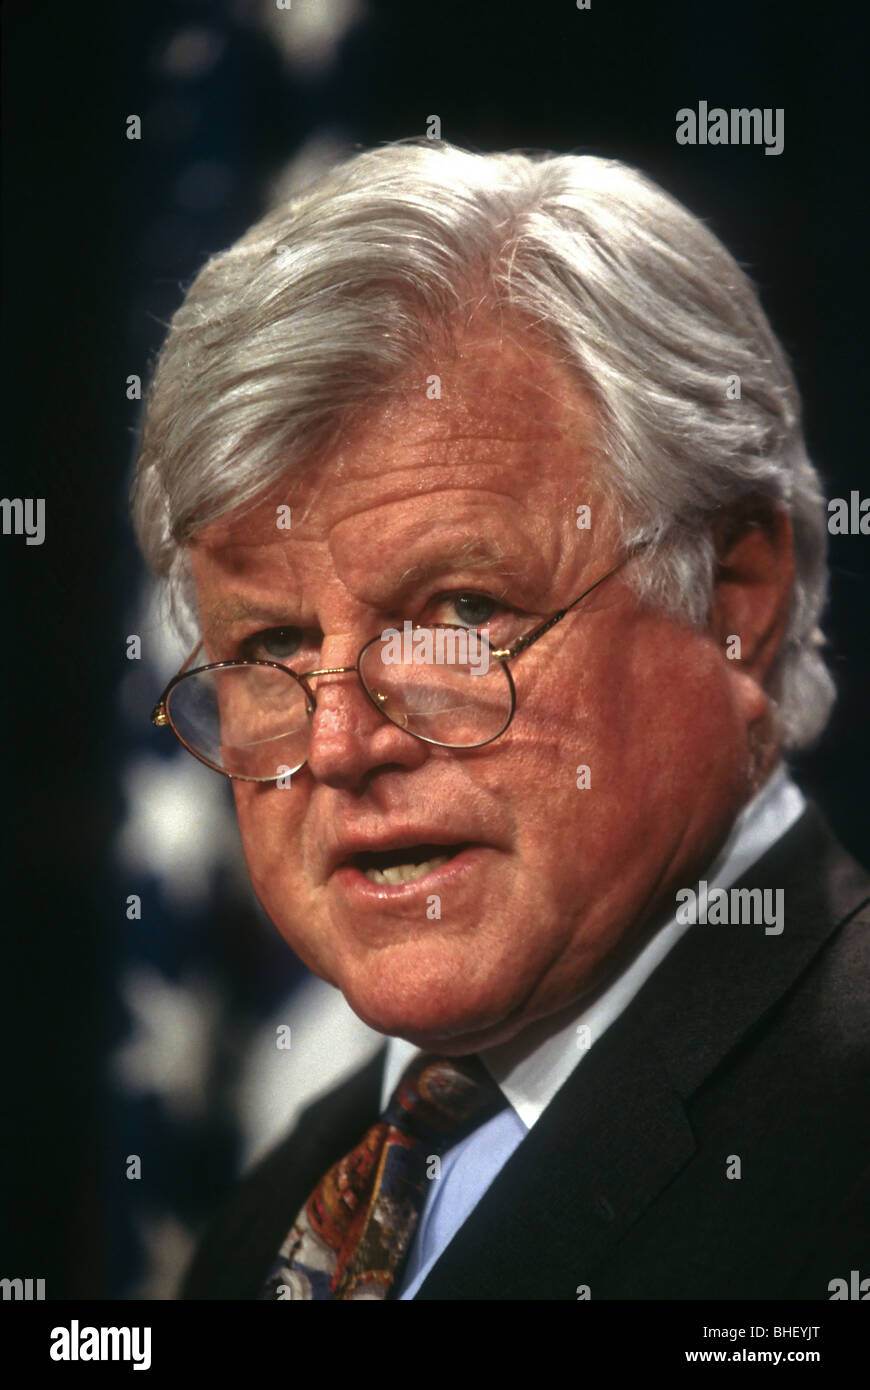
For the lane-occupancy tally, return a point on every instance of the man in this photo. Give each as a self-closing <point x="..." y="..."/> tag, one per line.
<point x="618" y="958"/>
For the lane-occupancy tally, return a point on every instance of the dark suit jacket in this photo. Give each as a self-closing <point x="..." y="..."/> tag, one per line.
<point x="741" y="1044"/>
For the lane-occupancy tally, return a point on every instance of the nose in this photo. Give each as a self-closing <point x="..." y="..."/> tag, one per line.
<point x="349" y="739"/>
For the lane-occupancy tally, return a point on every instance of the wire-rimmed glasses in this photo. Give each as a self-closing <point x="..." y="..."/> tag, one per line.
<point x="440" y="683"/>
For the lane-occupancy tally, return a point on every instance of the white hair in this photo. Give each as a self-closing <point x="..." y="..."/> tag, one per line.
<point x="335" y="295"/>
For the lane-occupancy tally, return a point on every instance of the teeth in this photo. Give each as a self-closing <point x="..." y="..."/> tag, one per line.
<point x="405" y="873"/>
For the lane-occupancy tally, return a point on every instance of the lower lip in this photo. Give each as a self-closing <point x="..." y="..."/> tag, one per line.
<point x="354" y="883"/>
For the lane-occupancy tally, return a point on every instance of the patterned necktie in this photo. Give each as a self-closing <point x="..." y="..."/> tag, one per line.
<point x="352" y="1235"/>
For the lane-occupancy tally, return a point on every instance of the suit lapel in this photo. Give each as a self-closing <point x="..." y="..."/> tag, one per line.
<point x="563" y="1197"/>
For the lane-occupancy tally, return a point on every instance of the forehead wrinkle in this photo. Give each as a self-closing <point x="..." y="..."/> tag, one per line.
<point x="450" y="448"/>
<point x="507" y="436"/>
<point x="506" y="539"/>
<point x="321" y="478"/>
<point x="464" y="495"/>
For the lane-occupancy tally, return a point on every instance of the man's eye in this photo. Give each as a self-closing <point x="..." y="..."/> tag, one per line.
<point x="468" y="609"/>
<point x="273" y="644"/>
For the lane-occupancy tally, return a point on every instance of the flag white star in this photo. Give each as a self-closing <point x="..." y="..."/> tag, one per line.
<point x="170" y="1050"/>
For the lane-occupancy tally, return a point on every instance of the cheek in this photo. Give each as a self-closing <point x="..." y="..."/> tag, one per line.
<point x="676" y="744"/>
<point x="626" y="740"/>
<point x="270" y="820"/>
<point x="569" y="733"/>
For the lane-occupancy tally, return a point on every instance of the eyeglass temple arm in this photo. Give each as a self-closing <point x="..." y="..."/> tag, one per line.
<point x="523" y="642"/>
<point x="159" y="716"/>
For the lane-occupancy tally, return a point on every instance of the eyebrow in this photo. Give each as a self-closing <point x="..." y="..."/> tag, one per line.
<point x="234" y="609"/>
<point x="475" y="552"/>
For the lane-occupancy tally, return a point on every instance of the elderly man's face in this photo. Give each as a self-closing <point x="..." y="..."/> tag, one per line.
<point x="548" y="884"/>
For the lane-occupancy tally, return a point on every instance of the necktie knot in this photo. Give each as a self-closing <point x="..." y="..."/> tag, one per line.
<point x="353" y="1233"/>
<point x="439" y="1097"/>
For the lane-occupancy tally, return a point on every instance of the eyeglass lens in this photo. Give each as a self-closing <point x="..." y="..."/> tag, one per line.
<point x="252" y="721"/>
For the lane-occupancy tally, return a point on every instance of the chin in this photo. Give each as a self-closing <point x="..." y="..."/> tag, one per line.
<point x="451" y="1018"/>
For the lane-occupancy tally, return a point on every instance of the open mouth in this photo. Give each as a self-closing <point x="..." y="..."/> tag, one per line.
<point x="395" y="866"/>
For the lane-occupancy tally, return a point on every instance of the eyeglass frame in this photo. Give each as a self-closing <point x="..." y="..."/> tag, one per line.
<point x="160" y="714"/>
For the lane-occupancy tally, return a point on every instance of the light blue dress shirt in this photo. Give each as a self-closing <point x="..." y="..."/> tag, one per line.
<point x="532" y="1068"/>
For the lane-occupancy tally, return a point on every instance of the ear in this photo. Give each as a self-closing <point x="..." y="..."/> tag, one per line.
<point x="752" y="594"/>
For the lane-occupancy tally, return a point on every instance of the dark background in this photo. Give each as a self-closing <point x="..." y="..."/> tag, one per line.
<point x="100" y="235"/>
